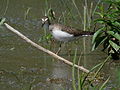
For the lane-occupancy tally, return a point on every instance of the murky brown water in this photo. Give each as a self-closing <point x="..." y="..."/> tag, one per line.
<point x="22" y="66"/>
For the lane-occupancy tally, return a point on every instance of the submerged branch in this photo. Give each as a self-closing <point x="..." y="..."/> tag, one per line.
<point x="43" y="49"/>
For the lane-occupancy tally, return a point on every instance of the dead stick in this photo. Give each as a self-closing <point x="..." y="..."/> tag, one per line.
<point x="44" y="50"/>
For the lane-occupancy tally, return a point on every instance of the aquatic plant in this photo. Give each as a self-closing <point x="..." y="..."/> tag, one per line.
<point x="108" y="31"/>
<point x="93" y="80"/>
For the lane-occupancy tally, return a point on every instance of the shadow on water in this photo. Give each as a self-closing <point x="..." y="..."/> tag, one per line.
<point x="24" y="67"/>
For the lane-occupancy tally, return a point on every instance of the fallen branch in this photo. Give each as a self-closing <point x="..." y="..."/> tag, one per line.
<point x="43" y="49"/>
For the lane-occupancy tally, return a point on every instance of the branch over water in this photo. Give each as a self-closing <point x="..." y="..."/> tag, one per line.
<point x="43" y="49"/>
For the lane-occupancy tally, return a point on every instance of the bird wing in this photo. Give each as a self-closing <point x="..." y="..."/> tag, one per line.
<point x="75" y="32"/>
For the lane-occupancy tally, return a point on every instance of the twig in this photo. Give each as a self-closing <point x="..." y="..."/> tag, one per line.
<point x="44" y="50"/>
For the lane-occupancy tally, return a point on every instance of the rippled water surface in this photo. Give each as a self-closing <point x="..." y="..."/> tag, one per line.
<point x="23" y="67"/>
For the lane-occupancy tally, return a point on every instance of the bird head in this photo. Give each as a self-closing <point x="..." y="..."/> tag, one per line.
<point x="45" y="20"/>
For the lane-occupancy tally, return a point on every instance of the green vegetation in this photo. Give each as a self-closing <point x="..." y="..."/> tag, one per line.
<point x="107" y="22"/>
<point x="93" y="80"/>
<point x="107" y="27"/>
<point x="108" y="32"/>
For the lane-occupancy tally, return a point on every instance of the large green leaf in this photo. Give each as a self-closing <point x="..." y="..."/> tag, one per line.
<point x="99" y="41"/>
<point x="97" y="34"/>
<point x="114" y="45"/>
<point x="99" y="14"/>
<point x="114" y="34"/>
<point x="116" y="23"/>
<point x="100" y="20"/>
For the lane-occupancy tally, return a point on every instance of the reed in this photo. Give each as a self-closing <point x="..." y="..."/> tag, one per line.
<point x="6" y="8"/>
<point x="86" y="81"/>
<point x="73" y="70"/>
<point x="26" y="13"/>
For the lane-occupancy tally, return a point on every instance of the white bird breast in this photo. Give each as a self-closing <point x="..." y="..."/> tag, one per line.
<point x="62" y="36"/>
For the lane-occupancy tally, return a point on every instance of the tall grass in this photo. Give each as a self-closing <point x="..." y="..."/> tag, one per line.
<point x="26" y="13"/>
<point x="84" y="16"/>
<point x="73" y="71"/>
<point x="86" y="81"/>
<point x="6" y="8"/>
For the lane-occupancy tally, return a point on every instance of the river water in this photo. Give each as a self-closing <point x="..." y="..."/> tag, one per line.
<point x="24" y="67"/>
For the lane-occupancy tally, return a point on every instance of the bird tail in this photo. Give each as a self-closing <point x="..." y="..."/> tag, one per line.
<point x="84" y="33"/>
<point x="87" y="33"/>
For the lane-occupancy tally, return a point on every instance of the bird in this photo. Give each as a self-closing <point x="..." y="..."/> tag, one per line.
<point x="61" y="32"/>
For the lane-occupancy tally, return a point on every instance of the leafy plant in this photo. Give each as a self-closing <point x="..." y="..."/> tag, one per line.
<point x="108" y="32"/>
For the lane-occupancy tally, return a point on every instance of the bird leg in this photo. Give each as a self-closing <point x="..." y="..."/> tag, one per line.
<point x="59" y="49"/>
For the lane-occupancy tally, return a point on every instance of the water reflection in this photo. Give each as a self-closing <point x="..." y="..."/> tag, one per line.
<point x="39" y="68"/>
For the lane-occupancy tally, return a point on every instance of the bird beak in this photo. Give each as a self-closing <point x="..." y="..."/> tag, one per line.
<point x="43" y="24"/>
